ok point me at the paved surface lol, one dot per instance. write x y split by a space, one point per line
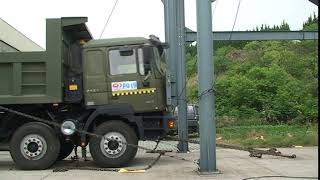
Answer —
232 164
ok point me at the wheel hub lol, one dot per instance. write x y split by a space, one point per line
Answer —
113 145
33 147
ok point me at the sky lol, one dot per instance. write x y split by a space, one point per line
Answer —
145 17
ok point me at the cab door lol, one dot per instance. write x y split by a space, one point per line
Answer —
130 78
95 81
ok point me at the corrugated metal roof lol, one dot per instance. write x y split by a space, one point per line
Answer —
14 38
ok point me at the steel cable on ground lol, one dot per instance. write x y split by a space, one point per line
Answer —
77 167
161 153
59 126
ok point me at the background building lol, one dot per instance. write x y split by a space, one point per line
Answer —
11 40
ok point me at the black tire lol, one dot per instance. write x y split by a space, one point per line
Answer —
47 158
66 149
129 153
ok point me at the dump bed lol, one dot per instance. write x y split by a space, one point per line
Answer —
43 77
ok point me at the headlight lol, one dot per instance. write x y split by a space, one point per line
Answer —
68 128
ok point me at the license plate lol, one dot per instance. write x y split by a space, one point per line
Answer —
124 85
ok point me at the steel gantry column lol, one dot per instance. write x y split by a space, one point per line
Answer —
181 79
170 18
170 79
175 36
206 93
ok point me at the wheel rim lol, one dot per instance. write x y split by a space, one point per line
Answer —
33 147
113 145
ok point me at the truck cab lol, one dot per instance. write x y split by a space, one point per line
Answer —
127 71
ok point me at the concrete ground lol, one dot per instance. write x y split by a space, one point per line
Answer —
232 164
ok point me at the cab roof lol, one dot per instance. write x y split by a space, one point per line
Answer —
116 42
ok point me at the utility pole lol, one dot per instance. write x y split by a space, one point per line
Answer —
206 94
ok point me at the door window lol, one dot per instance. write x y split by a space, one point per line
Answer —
95 63
145 56
141 63
122 64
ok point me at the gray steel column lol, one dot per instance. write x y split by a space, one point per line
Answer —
206 101
181 79
168 62
171 34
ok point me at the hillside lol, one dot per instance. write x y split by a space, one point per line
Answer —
263 82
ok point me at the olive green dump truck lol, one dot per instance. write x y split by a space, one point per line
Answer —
115 88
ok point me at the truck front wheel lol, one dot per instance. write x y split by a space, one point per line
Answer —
34 146
115 148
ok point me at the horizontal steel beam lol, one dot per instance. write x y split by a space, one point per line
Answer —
255 35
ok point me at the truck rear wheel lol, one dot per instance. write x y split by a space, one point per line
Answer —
34 146
113 150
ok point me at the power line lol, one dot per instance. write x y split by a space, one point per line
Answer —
235 18
105 25
215 7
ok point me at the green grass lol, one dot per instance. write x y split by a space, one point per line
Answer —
269 135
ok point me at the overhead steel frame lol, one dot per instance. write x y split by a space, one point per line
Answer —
205 37
191 36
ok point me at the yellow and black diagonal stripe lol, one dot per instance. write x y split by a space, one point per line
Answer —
133 92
